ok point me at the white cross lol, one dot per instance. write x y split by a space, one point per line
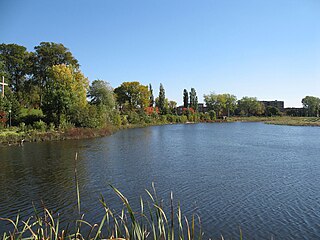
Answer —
3 84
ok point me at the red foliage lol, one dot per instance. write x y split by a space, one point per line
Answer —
150 110
3 118
185 110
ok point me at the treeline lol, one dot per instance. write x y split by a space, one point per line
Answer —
47 90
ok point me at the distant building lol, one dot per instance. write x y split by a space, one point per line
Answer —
202 108
277 104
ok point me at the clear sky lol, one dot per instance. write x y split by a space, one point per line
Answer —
269 49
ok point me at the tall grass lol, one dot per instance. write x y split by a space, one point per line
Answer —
149 222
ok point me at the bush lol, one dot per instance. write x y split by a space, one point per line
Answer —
51 127
22 127
64 125
124 120
40 125
183 119
116 119
171 118
133 117
163 118
212 115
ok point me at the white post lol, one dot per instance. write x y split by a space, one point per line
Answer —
3 84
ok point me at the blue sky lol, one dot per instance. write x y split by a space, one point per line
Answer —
269 49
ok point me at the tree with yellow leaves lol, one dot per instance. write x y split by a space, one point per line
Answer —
65 93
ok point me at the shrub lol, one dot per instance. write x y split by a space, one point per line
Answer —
133 117
212 115
40 125
117 120
183 119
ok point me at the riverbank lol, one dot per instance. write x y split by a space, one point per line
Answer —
13 136
296 121
284 120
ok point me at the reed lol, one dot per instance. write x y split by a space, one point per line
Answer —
149 222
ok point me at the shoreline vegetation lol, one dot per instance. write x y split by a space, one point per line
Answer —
45 96
14 135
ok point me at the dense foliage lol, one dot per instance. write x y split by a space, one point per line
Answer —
47 90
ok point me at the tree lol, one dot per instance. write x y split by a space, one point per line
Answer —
272 111
222 104
312 105
151 96
132 96
211 101
172 105
66 93
162 99
10 103
101 93
230 103
193 99
15 66
250 106
46 55
185 98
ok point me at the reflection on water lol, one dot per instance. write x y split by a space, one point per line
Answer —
263 178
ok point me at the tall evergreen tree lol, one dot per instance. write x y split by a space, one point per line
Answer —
185 98
151 96
162 99
193 99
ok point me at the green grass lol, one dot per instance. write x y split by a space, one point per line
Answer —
283 120
296 121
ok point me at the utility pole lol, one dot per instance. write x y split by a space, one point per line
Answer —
3 84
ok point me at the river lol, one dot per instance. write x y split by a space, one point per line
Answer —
261 178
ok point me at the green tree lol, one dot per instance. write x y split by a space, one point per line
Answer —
193 99
222 104
172 105
211 101
102 104
250 106
151 96
185 98
15 66
132 96
101 93
230 103
66 92
312 105
272 111
162 100
46 55
10 103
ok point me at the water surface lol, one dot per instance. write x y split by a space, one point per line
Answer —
262 178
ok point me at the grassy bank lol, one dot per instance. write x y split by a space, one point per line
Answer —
284 120
13 136
295 121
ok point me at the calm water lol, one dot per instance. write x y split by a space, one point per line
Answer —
262 178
